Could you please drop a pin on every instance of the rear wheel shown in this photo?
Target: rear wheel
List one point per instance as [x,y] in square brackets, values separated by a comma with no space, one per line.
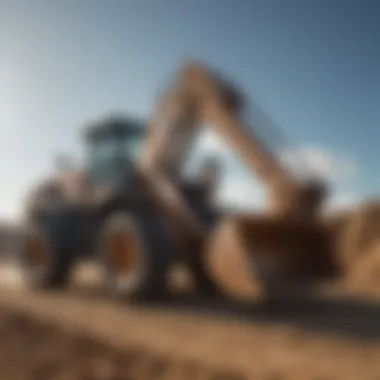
[35,255]
[44,264]
[50,247]
[136,255]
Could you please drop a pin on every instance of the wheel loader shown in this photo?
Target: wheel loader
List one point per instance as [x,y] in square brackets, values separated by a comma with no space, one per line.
[136,212]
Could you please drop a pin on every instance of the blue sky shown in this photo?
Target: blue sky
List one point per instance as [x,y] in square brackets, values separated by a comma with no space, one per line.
[313,65]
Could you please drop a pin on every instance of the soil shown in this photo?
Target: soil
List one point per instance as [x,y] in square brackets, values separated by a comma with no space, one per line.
[80,335]
[31,349]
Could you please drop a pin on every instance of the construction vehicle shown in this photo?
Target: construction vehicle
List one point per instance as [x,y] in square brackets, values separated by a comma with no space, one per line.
[70,216]
[134,207]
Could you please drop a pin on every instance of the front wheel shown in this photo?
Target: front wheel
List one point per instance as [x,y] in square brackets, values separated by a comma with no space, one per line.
[136,254]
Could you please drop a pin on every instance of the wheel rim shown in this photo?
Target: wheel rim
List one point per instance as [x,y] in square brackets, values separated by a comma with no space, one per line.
[123,250]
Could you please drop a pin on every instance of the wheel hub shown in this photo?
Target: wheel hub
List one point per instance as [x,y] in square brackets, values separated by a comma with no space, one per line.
[123,257]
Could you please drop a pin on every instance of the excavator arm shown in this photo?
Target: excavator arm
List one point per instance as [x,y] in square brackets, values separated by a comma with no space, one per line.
[201,97]
[288,240]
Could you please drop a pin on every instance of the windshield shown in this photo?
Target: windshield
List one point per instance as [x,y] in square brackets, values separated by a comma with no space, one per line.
[113,157]
[131,147]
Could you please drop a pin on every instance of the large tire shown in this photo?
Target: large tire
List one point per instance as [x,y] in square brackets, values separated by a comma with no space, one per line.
[136,254]
[54,243]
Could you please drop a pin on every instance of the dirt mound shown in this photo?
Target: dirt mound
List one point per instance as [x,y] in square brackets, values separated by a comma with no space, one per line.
[357,235]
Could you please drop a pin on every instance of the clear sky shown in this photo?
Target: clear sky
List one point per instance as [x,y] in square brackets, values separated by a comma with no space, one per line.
[312,64]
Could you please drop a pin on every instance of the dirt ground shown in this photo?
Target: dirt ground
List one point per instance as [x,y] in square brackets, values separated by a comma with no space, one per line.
[32,349]
[83,335]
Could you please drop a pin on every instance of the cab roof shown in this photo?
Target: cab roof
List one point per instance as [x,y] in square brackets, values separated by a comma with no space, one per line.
[114,125]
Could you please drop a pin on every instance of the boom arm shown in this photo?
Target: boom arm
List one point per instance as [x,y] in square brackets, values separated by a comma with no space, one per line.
[201,97]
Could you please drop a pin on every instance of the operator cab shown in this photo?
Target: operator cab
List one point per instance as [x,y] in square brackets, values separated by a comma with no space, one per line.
[113,148]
